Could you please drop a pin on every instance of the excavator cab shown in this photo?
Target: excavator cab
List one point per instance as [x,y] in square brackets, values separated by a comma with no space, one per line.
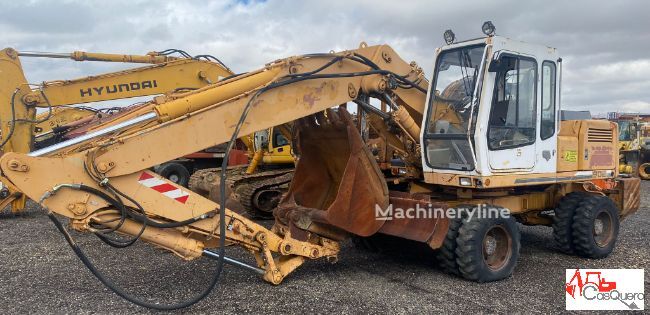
[493,111]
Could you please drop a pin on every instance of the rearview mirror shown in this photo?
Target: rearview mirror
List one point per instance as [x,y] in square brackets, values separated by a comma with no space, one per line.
[497,65]
[502,64]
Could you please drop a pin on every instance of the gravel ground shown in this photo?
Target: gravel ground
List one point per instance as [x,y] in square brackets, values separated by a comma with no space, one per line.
[40,274]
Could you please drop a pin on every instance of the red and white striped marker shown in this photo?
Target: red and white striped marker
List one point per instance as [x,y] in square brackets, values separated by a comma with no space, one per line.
[163,187]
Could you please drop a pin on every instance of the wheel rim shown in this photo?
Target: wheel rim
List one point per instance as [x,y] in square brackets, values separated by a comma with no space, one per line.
[174,178]
[644,171]
[497,247]
[603,232]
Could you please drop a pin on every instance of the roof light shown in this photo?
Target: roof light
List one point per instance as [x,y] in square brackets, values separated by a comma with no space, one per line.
[449,37]
[488,28]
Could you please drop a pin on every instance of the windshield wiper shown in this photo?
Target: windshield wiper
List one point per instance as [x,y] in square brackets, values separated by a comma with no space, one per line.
[465,62]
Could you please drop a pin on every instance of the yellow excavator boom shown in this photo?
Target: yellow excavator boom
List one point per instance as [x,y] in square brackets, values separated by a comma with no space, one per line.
[19,120]
[114,162]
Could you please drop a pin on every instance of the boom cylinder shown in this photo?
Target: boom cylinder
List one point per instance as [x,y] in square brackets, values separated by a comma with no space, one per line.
[88,56]
[407,123]
[214,94]
[153,59]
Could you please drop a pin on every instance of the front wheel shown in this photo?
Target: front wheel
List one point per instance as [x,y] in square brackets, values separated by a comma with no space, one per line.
[488,249]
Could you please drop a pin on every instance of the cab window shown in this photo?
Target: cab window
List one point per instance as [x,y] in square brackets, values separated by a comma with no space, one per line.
[278,139]
[512,120]
[547,126]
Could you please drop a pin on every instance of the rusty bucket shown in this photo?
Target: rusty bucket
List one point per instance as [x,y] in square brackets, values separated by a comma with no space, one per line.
[337,186]
[337,183]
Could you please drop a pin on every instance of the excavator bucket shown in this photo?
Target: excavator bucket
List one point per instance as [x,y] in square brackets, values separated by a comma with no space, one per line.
[337,184]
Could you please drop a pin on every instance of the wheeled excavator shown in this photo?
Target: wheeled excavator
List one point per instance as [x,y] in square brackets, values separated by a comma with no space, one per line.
[485,130]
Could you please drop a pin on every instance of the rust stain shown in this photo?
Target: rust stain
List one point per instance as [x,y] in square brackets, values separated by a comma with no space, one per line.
[314,95]
[310,98]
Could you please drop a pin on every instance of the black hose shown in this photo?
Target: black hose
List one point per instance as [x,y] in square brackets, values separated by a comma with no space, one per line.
[142,218]
[363,60]
[115,202]
[13,119]
[213,58]
[46,118]
[170,51]
[108,283]
[372,109]
[233,76]
[117,243]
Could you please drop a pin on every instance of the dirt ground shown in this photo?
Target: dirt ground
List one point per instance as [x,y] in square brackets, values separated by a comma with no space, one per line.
[39,273]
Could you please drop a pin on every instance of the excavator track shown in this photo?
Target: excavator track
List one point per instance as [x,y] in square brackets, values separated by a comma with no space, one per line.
[251,194]
[243,188]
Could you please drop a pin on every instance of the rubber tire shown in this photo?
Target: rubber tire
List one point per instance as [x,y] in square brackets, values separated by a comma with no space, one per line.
[446,254]
[583,224]
[168,169]
[642,171]
[563,220]
[470,249]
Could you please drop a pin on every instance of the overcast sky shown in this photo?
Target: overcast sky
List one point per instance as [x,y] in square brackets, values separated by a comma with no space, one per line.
[605,44]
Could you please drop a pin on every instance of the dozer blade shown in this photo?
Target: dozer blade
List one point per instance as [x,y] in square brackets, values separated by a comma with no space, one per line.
[337,183]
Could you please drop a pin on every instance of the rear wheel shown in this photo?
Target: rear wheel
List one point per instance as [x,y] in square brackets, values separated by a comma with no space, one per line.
[595,227]
[563,220]
[176,173]
[488,248]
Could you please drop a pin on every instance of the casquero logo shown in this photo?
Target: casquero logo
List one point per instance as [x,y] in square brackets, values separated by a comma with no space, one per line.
[604,289]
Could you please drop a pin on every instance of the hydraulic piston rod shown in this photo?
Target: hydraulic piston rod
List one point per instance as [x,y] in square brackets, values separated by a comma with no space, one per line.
[98,133]
[233,262]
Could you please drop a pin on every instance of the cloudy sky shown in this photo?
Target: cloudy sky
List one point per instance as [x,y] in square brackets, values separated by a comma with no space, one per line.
[605,44]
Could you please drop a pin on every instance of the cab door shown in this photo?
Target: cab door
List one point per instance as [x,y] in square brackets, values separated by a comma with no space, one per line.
[512,131]
[548,126]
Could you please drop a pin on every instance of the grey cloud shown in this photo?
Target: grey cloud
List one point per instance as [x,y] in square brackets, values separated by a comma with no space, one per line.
[47,16]
[605,44]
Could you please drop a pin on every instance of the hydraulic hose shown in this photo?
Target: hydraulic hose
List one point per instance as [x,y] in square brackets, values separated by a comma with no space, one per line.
[119,291]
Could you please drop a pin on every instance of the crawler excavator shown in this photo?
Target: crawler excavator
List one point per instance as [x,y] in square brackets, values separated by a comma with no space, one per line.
[255,189]
[485,130]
